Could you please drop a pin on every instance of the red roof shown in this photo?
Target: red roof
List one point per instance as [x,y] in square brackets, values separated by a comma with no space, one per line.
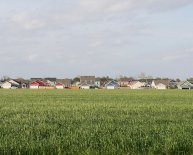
[59,84]
[34,83]
[39,82]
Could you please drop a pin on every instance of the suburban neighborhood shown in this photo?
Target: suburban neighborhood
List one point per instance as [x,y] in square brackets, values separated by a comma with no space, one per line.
[92,82]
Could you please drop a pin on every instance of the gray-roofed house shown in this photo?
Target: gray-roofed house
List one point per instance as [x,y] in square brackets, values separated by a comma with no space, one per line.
[112,85]
[184,85]
[66,82]
[87,82]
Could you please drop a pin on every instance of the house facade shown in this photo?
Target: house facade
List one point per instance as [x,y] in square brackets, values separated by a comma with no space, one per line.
[136,85]
[60,86]
[160,84]
[185,85]
[87,82]
[124,82]
[112,85]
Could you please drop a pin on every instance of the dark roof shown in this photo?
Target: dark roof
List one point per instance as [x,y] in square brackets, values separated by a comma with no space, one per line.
[51,79]
[87,78]
[64,81]
[125,79]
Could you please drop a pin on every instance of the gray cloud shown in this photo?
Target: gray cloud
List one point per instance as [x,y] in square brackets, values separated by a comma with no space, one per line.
[67,38]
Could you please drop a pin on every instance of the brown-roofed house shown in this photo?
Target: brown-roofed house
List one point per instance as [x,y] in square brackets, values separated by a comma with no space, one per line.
[160,84]
[65,82]
[124,82]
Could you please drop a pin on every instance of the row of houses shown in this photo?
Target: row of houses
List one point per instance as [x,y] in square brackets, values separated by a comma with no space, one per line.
[90,82]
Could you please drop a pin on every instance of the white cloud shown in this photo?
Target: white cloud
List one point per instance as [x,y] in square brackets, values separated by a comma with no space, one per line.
[175,56]
[28,22]
[128,5]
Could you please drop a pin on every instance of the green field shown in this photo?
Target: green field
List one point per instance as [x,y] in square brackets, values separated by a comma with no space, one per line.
[96,122]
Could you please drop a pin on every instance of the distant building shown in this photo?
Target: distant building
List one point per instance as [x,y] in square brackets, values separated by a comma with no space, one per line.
[184,85]
[136,85]
[160,84]
[87,82]
[59,85]
[124,82]
[112,85]
[66,82]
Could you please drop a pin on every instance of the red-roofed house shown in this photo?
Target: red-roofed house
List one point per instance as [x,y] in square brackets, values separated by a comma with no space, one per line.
[59,85]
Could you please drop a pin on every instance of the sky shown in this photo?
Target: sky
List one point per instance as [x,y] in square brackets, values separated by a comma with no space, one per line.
[66,38]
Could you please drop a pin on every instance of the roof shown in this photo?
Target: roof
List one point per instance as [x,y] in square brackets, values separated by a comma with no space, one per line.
[64,81]
[125,79]
[59,84]
[133,83]
[185,83]
[112,83]
[165,82]
[87,78]
[51,79]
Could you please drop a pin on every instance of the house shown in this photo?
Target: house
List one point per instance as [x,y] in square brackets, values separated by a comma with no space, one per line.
[112,85]
[136,85]
[160,84]
[87,79]
[66,82]
[147,82]
[39,84]
[184,85]
[22,83]
[6,85]
[85,86]
[11,84]
[124,82]
[59,85]
[51,81]
[97,82]
[87,82]
[34,85]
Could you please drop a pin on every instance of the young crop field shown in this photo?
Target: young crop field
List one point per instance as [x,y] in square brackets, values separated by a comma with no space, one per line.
[96,122]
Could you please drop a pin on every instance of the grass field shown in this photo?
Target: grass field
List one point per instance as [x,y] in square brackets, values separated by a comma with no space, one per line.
[96,122]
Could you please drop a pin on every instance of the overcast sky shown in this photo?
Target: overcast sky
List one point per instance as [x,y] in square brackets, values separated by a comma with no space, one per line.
[65,38]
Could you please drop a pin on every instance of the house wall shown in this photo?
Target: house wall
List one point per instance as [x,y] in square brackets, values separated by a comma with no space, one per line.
[161,86]
[138,85]
[34,87]
[85,87]
[6,85]
[153,84]
[59,87]
[111,87]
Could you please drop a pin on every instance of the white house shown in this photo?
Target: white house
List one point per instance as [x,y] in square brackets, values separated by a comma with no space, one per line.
[160,84]
[136,85]
[112,85]
[10,85]
[85,85]
[97,83]
[6,85]
[185,85]
[59,86]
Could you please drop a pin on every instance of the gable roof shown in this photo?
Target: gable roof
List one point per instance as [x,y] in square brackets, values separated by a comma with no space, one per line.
[112,83]
[185,83]
[164,82]
[125,79]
